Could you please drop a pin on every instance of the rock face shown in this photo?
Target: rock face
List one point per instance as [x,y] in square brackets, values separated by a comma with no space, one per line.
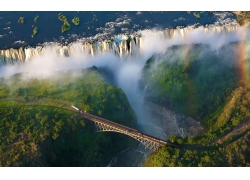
[166,123]
[159,122]
[121,45]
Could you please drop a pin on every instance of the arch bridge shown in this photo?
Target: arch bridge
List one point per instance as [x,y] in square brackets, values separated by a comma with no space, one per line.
[102,125]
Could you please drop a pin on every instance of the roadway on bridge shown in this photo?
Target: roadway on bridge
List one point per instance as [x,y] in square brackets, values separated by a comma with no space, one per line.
[121,127]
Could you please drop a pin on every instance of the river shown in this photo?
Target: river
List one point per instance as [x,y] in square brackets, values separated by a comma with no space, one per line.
[96,25]
[152,119]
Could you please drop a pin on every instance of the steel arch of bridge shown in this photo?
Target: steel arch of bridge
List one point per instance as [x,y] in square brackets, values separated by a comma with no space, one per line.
[150,143]
[102,125]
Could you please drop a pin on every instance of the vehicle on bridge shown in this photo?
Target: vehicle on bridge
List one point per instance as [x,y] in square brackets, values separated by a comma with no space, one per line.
[75,107]
[102,124]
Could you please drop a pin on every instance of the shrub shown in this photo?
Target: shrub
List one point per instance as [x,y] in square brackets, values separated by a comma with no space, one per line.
[35,19]
[197,15]
[66,25]
[76,21]
[21,20]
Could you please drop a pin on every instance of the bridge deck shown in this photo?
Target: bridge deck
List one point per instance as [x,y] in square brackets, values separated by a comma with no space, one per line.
[121,127]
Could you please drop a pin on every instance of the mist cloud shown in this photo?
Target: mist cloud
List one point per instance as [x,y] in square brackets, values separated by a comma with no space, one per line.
[126,71]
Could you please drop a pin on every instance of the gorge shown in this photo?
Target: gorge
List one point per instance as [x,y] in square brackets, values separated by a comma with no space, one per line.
[184,82]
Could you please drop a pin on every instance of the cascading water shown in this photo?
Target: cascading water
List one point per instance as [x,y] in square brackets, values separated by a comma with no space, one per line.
[125,56]
[122,45]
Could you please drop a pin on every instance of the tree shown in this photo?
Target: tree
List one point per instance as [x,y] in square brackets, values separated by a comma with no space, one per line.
[55,136]
[76,21]
[17,92]
[82,123]
[26,98]
[21,20]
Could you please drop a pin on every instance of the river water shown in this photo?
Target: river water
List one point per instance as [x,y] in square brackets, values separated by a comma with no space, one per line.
[97,25]
[152,119]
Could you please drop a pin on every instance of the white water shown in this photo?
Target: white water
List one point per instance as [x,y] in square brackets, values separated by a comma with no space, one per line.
[124,45]
[125,63]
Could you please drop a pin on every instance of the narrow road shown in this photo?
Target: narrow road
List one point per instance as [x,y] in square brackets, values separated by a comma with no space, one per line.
[236,130]
[116,127]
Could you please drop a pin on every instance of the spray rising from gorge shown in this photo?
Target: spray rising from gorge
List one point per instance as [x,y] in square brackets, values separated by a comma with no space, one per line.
[124,55]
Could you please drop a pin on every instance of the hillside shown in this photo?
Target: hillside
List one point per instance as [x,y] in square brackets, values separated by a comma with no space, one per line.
[210,86]
[51,134]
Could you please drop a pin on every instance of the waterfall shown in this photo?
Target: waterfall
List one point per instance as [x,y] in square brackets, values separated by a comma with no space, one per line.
[121,45]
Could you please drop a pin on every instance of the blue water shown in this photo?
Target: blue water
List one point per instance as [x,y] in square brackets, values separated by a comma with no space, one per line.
[106,24]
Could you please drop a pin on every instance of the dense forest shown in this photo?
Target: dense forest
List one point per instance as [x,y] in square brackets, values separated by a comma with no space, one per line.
[198,81]
[51,134]
[235,153]
[210,85]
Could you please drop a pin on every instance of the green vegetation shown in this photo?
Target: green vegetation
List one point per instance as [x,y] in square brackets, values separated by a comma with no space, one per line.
[35,19]
[197,15]
[232,154]
[51,134]
[203,84]
[21,20]
[196,84]
[243,18]
[34,31]
[76,21]
[61,17]
[66,25]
